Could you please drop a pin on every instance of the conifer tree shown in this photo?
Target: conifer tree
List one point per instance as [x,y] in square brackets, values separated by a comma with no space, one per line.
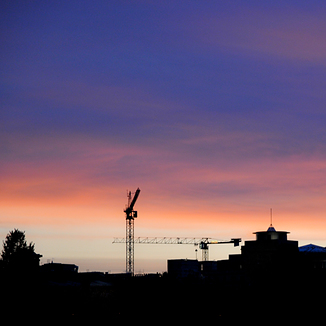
[16,253]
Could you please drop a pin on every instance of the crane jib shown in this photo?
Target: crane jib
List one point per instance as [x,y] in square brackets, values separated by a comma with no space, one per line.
[134,199]
[132,204]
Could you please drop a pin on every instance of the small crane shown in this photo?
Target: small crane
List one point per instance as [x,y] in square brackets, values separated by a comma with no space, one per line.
[201,242]
[130,216]
[203,245]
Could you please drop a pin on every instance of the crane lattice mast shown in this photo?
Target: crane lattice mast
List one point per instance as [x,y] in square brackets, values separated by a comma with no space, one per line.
[130,217]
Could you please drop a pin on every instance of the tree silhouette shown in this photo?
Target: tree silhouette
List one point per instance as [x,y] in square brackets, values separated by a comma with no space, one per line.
[17,254]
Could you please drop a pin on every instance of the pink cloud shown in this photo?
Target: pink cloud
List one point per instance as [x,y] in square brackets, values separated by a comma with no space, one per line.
[79,180]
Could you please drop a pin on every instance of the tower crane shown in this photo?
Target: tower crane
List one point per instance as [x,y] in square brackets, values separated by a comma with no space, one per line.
[130,216]
[201,242]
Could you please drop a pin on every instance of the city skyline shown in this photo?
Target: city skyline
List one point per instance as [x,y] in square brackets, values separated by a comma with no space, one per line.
[216,111]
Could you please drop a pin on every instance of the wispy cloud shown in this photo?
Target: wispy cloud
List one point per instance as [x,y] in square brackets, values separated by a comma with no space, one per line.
[289,33]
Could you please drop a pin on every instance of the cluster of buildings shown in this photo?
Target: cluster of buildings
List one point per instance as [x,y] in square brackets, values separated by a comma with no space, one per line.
[271,273]
[270,256]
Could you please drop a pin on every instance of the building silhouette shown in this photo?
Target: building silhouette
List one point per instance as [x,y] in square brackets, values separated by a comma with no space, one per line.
[58,268]
[271,278]
[271,256]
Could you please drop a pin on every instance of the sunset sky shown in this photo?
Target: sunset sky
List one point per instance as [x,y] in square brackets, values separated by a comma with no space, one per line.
[214,109]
